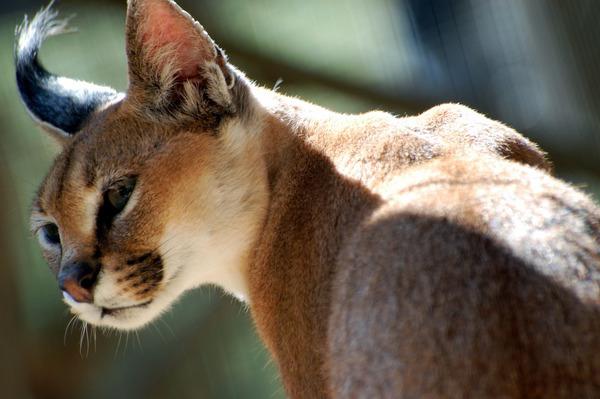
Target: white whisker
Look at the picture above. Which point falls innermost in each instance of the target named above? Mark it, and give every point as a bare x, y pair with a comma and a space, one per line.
137, 336
83, 326
94, 329
126, 342
168, 326
118, 343
159, 332
69, 324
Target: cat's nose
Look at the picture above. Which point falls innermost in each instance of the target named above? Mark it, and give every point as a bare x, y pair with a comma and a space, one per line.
78, 280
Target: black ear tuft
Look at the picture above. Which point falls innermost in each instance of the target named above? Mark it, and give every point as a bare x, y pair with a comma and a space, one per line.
60, 104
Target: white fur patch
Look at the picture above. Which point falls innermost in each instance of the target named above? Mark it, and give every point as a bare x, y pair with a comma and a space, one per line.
90, 202
200, 255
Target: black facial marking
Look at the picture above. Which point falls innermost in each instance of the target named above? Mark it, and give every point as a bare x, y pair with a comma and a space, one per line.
153, 271
146, 273
132, 275
139, 259
156, 266
97, 253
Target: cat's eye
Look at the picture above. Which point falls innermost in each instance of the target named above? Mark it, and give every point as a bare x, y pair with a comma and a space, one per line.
118, 195
50, 234
114, 201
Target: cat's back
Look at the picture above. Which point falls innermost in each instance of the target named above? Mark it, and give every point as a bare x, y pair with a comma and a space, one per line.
479, 277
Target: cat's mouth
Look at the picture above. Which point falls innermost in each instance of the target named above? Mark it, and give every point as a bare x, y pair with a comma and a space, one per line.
111, 310
115, 311
125, 317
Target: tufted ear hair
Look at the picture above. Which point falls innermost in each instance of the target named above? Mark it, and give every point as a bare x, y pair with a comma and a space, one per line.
174, 65
61, 105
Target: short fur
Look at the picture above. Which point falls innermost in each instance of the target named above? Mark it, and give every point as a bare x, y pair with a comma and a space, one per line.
427, 256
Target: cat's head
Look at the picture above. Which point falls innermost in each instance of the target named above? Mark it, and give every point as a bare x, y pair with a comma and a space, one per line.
156, 190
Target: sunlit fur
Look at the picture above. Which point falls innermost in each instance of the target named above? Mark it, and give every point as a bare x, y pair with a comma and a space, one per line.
427, 256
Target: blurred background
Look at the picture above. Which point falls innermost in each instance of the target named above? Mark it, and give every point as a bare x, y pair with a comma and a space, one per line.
533, 65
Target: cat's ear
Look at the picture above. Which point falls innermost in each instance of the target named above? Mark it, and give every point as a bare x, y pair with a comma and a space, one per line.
171, 57
59, 104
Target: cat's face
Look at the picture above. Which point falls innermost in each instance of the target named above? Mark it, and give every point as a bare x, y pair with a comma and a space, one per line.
150, 212
155, 191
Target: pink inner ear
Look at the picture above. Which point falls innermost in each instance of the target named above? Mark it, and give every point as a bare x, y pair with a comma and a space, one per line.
163, 26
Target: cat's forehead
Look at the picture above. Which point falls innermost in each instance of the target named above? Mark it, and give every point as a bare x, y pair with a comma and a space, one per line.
109, 149
106, 149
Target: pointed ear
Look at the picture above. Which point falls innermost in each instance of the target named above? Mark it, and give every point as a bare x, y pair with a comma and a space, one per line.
170, 55
59, 104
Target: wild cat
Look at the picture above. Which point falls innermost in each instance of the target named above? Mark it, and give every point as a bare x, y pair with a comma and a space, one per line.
421, 257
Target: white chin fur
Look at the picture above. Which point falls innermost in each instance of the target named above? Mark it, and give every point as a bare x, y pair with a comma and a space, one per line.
123, 319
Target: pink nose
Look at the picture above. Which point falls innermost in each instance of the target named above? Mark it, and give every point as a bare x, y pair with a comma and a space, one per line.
78, 280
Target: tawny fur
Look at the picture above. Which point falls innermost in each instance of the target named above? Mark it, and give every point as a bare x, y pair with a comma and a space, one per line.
393, 302
431, 256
